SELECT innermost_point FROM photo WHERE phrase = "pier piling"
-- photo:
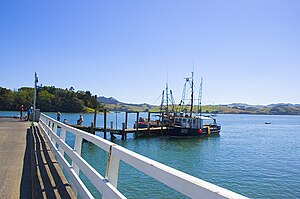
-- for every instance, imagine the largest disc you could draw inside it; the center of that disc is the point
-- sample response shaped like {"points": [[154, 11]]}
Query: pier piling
{"points": [[124, 135], [126, 120], [104, 125]]}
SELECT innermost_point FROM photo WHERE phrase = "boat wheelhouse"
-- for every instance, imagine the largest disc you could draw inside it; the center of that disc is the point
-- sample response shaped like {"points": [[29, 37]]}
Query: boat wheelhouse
{"points": [[194, 126]]}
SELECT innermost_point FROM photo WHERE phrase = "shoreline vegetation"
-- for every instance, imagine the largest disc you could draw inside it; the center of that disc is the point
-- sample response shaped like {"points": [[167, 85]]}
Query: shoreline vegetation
{"points": [[51, 99]]}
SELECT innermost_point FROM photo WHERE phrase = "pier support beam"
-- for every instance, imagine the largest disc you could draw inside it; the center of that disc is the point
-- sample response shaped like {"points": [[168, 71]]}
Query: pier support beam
{"points": [[126, 120], [137, 126], [104, 127], [161, 124], [124, 135], [149, 122], [95, 119]]}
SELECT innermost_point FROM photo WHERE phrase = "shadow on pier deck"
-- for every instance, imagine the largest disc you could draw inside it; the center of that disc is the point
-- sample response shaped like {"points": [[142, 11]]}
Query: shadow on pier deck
{"points": [[27, 164]]}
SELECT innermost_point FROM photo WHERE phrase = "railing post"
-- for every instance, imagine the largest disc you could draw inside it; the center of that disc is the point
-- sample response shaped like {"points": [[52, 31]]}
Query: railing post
{"points": [[112, 169], [55, 127], [50, 127], [63, 138], [77, 148]]}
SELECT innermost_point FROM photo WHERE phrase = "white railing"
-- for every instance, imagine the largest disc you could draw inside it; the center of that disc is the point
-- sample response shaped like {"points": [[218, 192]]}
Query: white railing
{"points": [[186, 184]]}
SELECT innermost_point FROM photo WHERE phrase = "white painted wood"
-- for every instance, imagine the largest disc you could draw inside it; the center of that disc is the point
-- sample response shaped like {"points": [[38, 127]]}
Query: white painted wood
{"points": [[77, 148], [55, 131], [182, 182], [75, 181], [112, 170], [63, 139], [188, 185], [103, 185]]}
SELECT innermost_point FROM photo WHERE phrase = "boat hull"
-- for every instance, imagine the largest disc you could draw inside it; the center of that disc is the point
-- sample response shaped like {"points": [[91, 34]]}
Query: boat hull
{"points": [[178, 131]]}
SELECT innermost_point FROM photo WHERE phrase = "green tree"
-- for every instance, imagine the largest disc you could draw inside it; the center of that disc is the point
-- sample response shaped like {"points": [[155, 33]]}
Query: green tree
{"points": [[24, 96], [7, 99], [49, 98], [45, 101]]}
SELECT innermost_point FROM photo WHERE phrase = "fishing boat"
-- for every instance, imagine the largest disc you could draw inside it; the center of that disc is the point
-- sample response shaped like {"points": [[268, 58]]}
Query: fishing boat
{"points": [[189, 124], [194, 126]]}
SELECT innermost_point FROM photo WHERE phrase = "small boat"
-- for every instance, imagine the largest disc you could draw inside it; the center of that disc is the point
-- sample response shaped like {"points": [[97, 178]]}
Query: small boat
{"points": [[267, 122], [143, 123]]}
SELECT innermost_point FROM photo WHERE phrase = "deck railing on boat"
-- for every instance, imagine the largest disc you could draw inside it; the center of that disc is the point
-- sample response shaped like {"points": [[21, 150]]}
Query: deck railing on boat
{"points": [[107, 185]]}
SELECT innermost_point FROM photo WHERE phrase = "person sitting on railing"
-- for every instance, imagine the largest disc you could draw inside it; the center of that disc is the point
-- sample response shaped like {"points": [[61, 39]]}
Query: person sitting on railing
{"points": [[65, 121], [80, 120]]}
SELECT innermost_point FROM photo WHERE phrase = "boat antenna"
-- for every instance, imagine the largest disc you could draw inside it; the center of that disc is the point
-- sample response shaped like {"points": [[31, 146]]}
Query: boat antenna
{"points": [[192, 88], [200, 98]]}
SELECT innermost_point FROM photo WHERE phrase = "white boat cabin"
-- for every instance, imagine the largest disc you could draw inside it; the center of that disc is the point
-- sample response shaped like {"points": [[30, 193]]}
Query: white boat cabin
{"points": [[192, 122]]}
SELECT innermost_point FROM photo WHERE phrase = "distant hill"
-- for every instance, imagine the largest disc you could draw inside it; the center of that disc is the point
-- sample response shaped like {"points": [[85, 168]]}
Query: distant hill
{"points": [[107, 100], [272, 109], [114, 105], [234, 108]]}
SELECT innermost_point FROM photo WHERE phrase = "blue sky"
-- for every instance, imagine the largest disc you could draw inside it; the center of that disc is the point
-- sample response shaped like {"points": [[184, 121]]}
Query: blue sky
{"points": [[246, 51]]}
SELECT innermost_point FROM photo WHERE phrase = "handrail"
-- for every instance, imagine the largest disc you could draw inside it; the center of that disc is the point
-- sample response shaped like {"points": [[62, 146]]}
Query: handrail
{"points": [[186, 184]]}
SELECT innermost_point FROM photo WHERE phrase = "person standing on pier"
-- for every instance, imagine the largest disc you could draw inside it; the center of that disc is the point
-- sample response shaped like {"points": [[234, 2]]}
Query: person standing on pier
{"points": [[21, 111], [29, 111], [80, 120], [58, 116]]}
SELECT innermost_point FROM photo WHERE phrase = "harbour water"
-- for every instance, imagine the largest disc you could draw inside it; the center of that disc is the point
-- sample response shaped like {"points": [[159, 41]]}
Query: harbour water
{"points": [[249, 157]]}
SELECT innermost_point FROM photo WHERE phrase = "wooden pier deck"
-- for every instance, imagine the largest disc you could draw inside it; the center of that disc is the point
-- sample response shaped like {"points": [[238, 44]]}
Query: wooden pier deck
{"points": [[27, 166], [138, 132]]}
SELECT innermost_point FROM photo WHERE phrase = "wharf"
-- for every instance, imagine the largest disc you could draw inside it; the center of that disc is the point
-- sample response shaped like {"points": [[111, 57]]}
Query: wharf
{"points": [[27, 166], [138, 132]]}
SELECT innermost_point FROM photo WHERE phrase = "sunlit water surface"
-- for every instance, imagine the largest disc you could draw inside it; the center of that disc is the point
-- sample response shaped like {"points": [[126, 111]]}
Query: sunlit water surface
{"points": [[249, 157]]}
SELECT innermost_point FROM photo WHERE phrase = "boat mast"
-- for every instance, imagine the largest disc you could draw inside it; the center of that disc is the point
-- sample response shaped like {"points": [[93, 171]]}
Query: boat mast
{"points": [[162, 100], [167, 96], [192, 95], [172, 101]]}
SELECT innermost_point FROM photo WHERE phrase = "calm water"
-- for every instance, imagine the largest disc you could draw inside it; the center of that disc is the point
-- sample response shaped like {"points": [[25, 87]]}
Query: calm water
{"points": [[249, 157]]}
